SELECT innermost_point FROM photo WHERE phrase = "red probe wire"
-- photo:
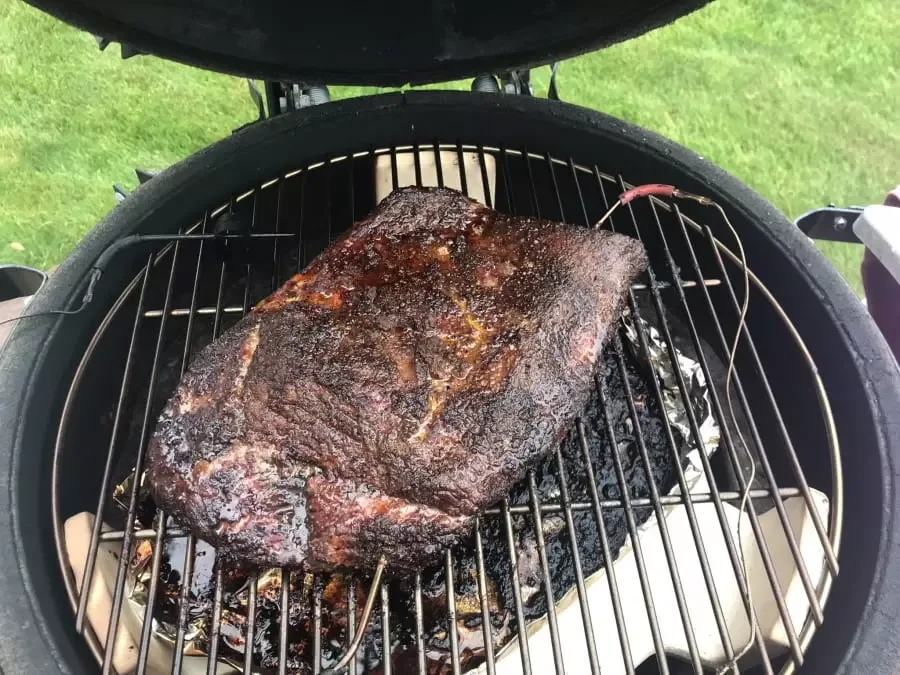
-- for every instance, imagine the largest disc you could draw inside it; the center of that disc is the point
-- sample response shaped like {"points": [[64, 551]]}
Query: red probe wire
{"points": [[652, 190]]}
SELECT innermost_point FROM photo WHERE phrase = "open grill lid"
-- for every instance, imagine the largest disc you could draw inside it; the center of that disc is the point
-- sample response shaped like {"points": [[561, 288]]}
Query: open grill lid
{"points": [[363, 42]]}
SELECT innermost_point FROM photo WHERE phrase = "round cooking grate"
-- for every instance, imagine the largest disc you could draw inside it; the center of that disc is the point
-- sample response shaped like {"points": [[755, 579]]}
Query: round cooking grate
{"points": [[651, 477]]}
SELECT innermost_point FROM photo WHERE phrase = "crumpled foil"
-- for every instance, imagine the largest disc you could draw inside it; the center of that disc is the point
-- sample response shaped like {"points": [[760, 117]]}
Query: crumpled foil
{"points": [[666, 374], [137, 587], [140, 574]]}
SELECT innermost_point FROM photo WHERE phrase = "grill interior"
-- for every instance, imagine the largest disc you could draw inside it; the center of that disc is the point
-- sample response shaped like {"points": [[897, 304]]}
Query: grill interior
{"points": [[616, 470]]}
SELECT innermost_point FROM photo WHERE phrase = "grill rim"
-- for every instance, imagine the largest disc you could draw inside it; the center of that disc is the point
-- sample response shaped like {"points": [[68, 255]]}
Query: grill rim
{"points": [[171, 250], [28, 352]]}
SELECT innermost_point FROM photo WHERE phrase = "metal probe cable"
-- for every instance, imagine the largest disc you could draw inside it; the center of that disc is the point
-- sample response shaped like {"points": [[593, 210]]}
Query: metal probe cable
{"points": [[353, 647], [659, 190], [99, 266]]}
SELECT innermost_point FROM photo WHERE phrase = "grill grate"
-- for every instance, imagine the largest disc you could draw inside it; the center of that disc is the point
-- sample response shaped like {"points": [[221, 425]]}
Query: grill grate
{"points": [[188, 283]]}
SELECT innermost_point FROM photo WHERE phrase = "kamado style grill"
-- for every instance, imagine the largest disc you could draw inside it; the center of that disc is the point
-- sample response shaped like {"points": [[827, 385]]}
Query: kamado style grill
{"points": [[642, 544]]}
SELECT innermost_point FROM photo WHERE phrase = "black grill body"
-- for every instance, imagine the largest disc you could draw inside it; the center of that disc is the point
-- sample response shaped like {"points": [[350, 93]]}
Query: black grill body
{"points": [[855, 366]]}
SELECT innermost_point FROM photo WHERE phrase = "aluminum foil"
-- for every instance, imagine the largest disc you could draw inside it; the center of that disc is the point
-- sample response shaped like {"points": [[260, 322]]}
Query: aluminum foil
{"points": [[138, 587], [164, 629], [664, 369]]}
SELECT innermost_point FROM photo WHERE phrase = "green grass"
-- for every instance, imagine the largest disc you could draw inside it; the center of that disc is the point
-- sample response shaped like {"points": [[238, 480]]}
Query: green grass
{"points": [[798, 98]]}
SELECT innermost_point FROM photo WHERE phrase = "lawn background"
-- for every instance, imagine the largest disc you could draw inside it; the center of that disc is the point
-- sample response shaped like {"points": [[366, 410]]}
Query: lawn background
{"points": [[798, 98]]}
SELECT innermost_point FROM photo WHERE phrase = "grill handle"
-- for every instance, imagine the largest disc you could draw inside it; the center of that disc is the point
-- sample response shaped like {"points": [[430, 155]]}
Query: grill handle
{"points": [[879, 228]]}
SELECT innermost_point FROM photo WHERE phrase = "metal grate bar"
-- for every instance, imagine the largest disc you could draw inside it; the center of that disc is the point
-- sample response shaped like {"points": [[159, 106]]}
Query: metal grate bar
{"points": [[451, 612], [249, 637], [386, 629], [352, 195], [186, 353], [666, 500], [521, 633], [482, 594], [276, 249], [417, 167], [211, 663], [585, 219], [531, 188], [449, 568], [486, 183], [184, 594], [237, 309], [507, 182], [351, 620], [559, 201], [538, 524], [488, 640], [248, 267], [212, 657], [326, 190], [546, 508], [220, 299], [607, 553], [302, 253], [479, 552], [285, 617], [147, 625], [420, 626], [285, 596], [576, 562], [535, 505], [395, 181], [633, 532], [463, 180], [317, 624], [438, 164]]}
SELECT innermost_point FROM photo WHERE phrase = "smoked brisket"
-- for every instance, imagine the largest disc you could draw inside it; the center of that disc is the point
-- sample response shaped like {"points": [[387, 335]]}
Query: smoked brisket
{"points": [[395, 388]]}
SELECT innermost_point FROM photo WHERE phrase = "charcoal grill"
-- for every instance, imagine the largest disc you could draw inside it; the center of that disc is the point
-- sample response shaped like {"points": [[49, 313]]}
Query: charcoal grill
{"points": [[193, 249]]}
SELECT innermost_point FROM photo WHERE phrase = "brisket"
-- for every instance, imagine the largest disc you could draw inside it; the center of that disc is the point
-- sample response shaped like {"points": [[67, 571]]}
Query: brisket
{"points": [[399, 385]]}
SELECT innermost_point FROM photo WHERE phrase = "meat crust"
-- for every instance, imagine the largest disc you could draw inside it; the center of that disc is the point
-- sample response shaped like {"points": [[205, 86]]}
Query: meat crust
{"points": [[395, 388]]}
